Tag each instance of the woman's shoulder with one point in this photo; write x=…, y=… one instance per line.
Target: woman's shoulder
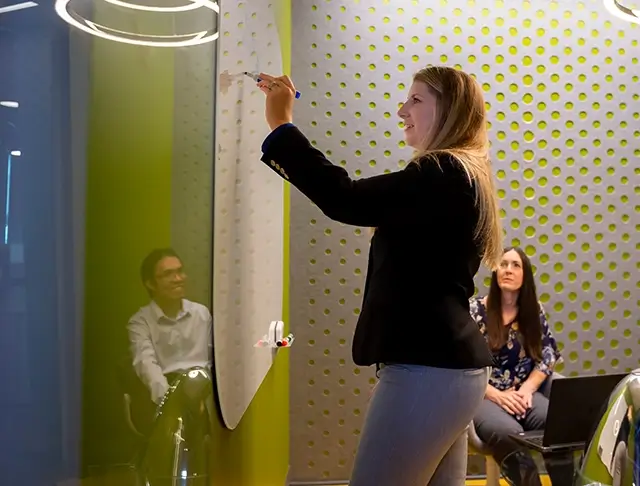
x=444, y=162
x=444, y=166
x=477, y=304
x=542, y=313
x=480, y=299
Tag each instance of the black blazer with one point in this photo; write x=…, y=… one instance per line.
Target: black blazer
x=422, y=259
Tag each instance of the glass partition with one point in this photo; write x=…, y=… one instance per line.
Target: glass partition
x=106, y=188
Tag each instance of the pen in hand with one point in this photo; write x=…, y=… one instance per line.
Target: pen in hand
x=257, y=79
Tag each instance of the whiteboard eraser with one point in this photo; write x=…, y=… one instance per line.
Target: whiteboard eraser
x=279, y=331
x=271, y=336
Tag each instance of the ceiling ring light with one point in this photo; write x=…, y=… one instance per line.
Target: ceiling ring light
x=625, y=13
x=191, y=5
x=108, y=33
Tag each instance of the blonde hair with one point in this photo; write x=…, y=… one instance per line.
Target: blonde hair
x=460, y=130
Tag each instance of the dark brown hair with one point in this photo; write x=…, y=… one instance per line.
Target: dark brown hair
x=528, y=317
x=148, y=267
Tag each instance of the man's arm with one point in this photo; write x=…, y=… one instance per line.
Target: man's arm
x=144, y=359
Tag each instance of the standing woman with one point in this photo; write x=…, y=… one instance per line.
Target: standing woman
x=435, y=222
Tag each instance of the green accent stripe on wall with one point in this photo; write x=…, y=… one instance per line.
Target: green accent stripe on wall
x=128, y=213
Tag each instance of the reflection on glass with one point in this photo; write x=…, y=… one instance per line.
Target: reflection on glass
x=179, y=448
x=613, y=454
x=155, y=24
x=7, y=198
x=106, y=151
x=171, y=334
x=171, y=351
x=39, y=402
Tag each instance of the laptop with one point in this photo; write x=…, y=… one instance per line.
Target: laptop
x=575, y=405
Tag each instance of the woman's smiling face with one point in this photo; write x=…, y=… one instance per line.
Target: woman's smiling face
x=418, y=114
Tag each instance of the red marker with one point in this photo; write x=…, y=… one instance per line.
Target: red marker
x=288, y=340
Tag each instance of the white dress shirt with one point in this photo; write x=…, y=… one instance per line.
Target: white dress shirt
x=161, y=344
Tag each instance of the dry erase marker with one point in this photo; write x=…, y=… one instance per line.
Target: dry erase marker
x=288, y=343
x=256, y=77
x=288, y=340
x=284, y=341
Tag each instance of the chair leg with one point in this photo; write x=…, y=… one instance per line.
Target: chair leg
x=492, y=471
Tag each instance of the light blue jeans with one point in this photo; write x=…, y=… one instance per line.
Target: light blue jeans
x=415, y=432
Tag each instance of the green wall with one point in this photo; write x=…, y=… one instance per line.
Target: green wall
x=128, y=212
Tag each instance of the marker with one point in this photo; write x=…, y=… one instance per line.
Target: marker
x=289, y=343
x=256, y=77
x=288, y=340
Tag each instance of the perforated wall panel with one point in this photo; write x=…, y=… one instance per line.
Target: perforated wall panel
x=561, y=85
x=193, y=162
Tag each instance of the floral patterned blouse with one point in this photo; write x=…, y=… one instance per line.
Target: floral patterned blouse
x=513, y=366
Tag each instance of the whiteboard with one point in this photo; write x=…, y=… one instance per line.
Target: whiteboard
x=248, y=209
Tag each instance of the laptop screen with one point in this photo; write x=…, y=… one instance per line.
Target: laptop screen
x=575, y=404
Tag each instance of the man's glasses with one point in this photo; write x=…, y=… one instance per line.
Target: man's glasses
x=171, y=273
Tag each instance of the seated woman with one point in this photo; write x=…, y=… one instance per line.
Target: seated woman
x=515, y=327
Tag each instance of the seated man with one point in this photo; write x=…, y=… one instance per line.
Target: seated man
x=515, y=327
x=171, y=334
